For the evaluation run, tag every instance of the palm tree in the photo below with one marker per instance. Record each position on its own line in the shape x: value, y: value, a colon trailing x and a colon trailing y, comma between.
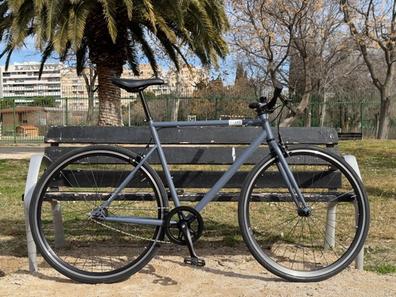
x: 111, y: 33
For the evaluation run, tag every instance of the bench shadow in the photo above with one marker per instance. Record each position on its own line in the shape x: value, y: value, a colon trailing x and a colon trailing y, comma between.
x: 42, y: 276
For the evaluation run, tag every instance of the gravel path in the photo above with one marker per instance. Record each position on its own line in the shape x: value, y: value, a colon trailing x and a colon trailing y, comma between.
x: 19, y: 152
x: 224, y: 275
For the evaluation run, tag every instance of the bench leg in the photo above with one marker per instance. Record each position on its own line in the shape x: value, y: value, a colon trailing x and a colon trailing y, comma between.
x: 351, y: 160
x: 58, y: 224
x: 31, y: 180
x: 330, y: 226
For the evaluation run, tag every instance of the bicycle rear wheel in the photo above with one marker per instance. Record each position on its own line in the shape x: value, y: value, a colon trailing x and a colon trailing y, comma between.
x: 92, y: 250
x: 300, y: 248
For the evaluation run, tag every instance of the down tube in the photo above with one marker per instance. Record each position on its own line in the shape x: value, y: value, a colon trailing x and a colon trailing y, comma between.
x: 231, y: 171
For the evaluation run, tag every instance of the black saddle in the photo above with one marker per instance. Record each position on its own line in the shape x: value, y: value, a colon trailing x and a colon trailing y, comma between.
x: 136, y: 85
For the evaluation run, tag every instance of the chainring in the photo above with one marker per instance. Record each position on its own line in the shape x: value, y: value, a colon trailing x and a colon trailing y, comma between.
x: 176, y: 217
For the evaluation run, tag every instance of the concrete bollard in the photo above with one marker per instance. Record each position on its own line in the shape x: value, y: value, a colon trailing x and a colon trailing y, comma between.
x: 351, y: 160
x: 31, y: 180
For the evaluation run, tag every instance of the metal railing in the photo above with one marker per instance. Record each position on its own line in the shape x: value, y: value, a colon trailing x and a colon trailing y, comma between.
x: 26, y: 120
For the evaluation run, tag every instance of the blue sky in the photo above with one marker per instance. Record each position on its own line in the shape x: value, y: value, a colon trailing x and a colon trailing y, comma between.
x: 22, y: 55
x: 28, y: 53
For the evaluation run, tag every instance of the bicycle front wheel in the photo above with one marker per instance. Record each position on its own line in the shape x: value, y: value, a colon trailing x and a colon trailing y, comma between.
x: 92, y: 250
x: 304, y: 248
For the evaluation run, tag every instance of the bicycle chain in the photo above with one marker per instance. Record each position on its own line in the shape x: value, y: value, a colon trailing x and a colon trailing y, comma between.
x: 144, y: 238
x: 128, y: 234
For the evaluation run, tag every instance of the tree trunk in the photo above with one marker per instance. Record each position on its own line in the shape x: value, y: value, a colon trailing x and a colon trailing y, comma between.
x: 308, y: 117
x: 109, y: 58
x: 90, y: 81
x: 305, y: 98
x: 342, y: 118
x: 90, y: 113
x: 302, y: 107
x: 175, y: 110
x: 109, y: 95
x: 384, y: 118
x: 176, y: 106
x: 323, y: 111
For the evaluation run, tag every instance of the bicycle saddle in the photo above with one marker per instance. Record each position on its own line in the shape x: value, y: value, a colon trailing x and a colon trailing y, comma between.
x: 136, y: 85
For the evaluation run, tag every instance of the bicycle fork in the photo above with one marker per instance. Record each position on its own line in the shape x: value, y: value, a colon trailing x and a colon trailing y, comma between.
x: 288, y: 177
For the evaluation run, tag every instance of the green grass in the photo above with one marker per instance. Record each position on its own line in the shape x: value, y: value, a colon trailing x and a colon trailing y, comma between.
x: 377, y: 161
x: 383, y: 268
x: 12, y: 225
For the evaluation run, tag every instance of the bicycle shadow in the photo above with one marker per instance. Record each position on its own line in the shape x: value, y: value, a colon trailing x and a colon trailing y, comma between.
x: 161, y: 280
x: 148, y: 269
x: 226, y: 273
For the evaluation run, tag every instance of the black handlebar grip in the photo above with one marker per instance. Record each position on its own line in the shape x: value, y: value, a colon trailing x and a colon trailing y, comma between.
x: 277, y: 92
x: 263, y: 99
x: 254, y: 105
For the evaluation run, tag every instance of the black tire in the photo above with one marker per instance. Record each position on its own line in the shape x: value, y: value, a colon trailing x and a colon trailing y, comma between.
x: 95, y: 251
x: 274, y: 232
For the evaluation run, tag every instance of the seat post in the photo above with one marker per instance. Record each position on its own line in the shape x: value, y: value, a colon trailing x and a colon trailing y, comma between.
x: 145, y: 107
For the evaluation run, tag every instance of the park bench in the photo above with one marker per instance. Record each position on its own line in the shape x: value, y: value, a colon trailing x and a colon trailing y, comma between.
x: 203, y: 146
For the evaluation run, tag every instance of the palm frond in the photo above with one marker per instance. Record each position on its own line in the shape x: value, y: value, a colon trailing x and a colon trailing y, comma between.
x: 109, y: 11
x: 20, y: 22
x: 129, y: 7
x: 81, y: 57
x: 44, y: 56
x: 132, y: 58
x: 138, y: 34
x: 149, y: 13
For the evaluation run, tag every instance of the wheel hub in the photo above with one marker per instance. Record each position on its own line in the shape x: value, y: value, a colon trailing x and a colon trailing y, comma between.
x: 304, y: 211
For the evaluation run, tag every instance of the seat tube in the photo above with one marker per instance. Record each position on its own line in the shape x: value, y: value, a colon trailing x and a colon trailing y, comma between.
x: 164, y: 164
x: 145, y: 107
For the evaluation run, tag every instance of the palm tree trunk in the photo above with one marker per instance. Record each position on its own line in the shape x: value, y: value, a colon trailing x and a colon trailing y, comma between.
x: 109, y: 95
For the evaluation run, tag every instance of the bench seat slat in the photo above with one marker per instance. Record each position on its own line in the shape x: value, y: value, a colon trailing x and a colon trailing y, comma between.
x: 195, y: 197
x: 199, y: 179
x: 194, y: 155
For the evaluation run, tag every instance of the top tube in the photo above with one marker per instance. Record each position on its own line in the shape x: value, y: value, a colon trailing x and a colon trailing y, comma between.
x: 212, y: 123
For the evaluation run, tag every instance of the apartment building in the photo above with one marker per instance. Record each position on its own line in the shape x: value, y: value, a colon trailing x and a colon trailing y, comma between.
x: 21, y: 80
x: 184, y: 82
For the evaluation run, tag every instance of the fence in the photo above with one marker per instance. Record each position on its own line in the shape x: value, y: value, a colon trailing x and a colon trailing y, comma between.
x: 27, y: 120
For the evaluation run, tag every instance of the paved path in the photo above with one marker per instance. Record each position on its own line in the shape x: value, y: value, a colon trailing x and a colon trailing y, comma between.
x: 20, y: 152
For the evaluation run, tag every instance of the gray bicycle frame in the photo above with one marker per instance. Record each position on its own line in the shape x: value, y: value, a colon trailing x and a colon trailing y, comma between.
x: 266, y: 134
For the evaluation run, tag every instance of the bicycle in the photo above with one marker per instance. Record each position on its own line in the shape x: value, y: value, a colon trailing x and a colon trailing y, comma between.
x: 116, y: 210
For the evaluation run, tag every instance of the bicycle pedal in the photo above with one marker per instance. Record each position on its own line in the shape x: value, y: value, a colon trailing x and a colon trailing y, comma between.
x: 194, y: 261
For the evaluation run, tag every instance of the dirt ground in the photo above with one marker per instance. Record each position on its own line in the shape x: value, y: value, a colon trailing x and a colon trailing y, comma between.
x: 224, y: 275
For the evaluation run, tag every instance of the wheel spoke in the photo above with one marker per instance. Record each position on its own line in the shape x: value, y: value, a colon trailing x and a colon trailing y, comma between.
x: 96, y: 247
x: 297, y: 247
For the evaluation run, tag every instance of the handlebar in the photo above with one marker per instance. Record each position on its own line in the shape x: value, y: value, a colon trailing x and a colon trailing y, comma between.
x: 264, y: 105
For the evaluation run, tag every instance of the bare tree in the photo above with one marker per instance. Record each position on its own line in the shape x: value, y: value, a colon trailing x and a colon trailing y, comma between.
x: 289, y: 40
x: 372, y: 24
x: 90, y: 77
x: 262, y: 32
x: 317, y: 46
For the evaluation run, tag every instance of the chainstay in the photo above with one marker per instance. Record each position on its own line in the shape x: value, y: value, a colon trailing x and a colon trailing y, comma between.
x: 129, y: 234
